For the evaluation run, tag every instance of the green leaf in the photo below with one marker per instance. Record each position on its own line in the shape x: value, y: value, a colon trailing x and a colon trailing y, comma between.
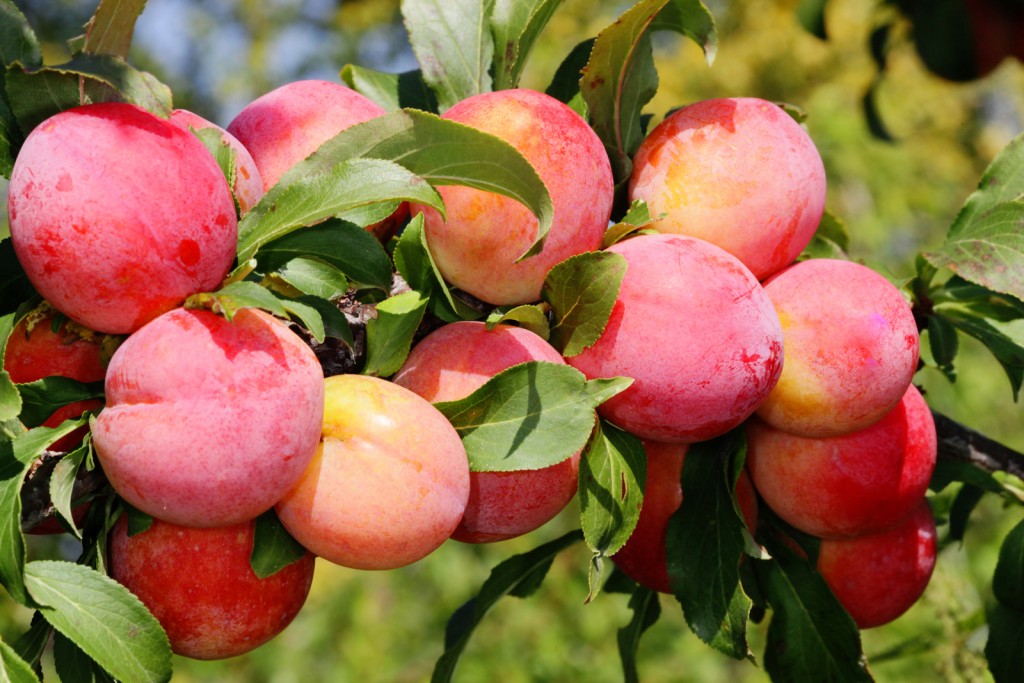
x: 967, y: 498
x: 216, y: 142
x: 943, y: 342
x: 100, y: 616
x: 391, y: 91
x: 831, y: 239
x: 62, y: 482
x: 565, y: 84
x: 947, y: 471
x: 10, y: 398
x: 16, y: 455
x: 811, y: 637
x: 519, y: 575
x: 811, y: 15
x: 1008, y: 579
x: 620, y: 78
x: 296, y: 202
x: 15, y: 287
x: 308, y: 316
x: 705, y: 542
x: 985, y: 244
x: 73, y: 665
x: 14, y: 669
x: 1005, y: 646
x: 314, y: 277
x: 347, y: 247
x: 42, y: 397
x: 18, y: 42
x: 35, y: 95
x: 581, y: 292
x: 516, y: 25
x: 111, y: 27
x: 979, y: 300
x: 389, y: 335
x: 138, y: 521
x: 611, y: 488
x: 335, y: 324
x: 528, y: 316
x: 452, y: 42
x: 529, y: 416
x: 439, y: 151
x: 646, y: 610
x: 997, y: 337
x: 273, y: 548
x: 31, y: 644
x: 230, y: 299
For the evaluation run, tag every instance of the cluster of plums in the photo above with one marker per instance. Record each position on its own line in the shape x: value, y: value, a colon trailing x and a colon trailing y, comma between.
x: 118, y: 216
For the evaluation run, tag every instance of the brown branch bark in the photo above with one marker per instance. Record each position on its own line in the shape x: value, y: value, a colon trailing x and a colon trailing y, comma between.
x: 961, y: 443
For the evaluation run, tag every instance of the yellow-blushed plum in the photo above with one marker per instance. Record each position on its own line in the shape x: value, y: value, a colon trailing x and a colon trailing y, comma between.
x: 388, y: 484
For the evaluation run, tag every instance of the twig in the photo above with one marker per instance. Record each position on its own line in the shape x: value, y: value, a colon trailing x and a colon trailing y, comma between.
x: 961, y: 443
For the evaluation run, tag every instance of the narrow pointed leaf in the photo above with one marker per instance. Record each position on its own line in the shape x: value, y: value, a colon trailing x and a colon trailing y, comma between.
x: 516, y: 25
x: 62, y: 482
x: 15, y: 287
x: 10, y: 397
x: 416, y: 264
x: 389, y: 335
x: 73, y: 665
x: 452, y: 42
x: 100, y: 616
x: 519, y: 575
x: 705, y: 544
x: 646, y: 610
x: 14, y: 669
x: 529, y: 416
x: 1004, y: 648
x: 18, y: 42
x: 611, y: 482
x: 1008, y: 579
x: 998, y: 338
x: 111, y: 27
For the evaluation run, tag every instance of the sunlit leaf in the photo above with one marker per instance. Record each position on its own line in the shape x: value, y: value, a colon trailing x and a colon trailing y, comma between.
x: 581, y: 292
x: 389, y: 335
x: 516, y: 25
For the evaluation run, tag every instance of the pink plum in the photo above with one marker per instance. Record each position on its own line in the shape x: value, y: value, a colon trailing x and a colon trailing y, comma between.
x: 694, y: 329
x: 476, y: 248
x: 118, y: 215
x: 858, y: 483
x: 387, y: 485
x: 200, y: 586
x: 451, y: 363
x: 851, y: 348
x: 878, y: 577
x: 209, y: 421
x: 737, y: 172
x: 248, y: 185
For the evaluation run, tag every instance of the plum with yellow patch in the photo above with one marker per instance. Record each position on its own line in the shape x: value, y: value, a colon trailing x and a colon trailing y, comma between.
x: 851, y: 348
x: 476, y: 247
x: 737, y: 172
x: 388, y: 483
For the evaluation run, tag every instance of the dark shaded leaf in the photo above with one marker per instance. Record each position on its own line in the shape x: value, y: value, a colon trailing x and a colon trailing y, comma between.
x: 1005, y: 646
x: 391, y: 91
x: 646, y: 610
x: 1008, y: 579
x: 41, y: 398
x: 273, y: 548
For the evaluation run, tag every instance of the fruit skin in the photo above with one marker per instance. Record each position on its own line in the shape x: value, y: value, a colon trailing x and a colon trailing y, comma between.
x: 209, y: 422
x: 118, y: 215
x: 878, y: 577
x: 476, y: 248
x: 451, y: 363
x: 199, y: 585
x: 284, y: 126
x: 388, y: 484
x: 642, y: 558
x: 851, y: 348
x: 248, y: 186
x: 849, y: 485
x: 737, y: 172
x: 695, y: 330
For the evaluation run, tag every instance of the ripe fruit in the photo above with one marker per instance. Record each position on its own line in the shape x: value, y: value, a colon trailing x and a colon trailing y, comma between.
x: 849, y: 485
x: 476, y: 248
x: 851, y: 348
x: 199, y: 585
x: 697, y: 333
x: 451, y: 363
x: 387, y: 485
x: 878, y: 577
x: 248, y: 186
x: 118, y: 215
x: 209, y: 422
x: 36, y: 350
x: 642, y: 558
x: 737, y: 172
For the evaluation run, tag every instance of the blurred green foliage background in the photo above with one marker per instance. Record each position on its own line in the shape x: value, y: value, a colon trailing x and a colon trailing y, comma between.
x: 896, y: 198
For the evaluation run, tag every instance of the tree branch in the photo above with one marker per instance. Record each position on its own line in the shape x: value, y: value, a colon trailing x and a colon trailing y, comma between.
x: 961, y: 443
